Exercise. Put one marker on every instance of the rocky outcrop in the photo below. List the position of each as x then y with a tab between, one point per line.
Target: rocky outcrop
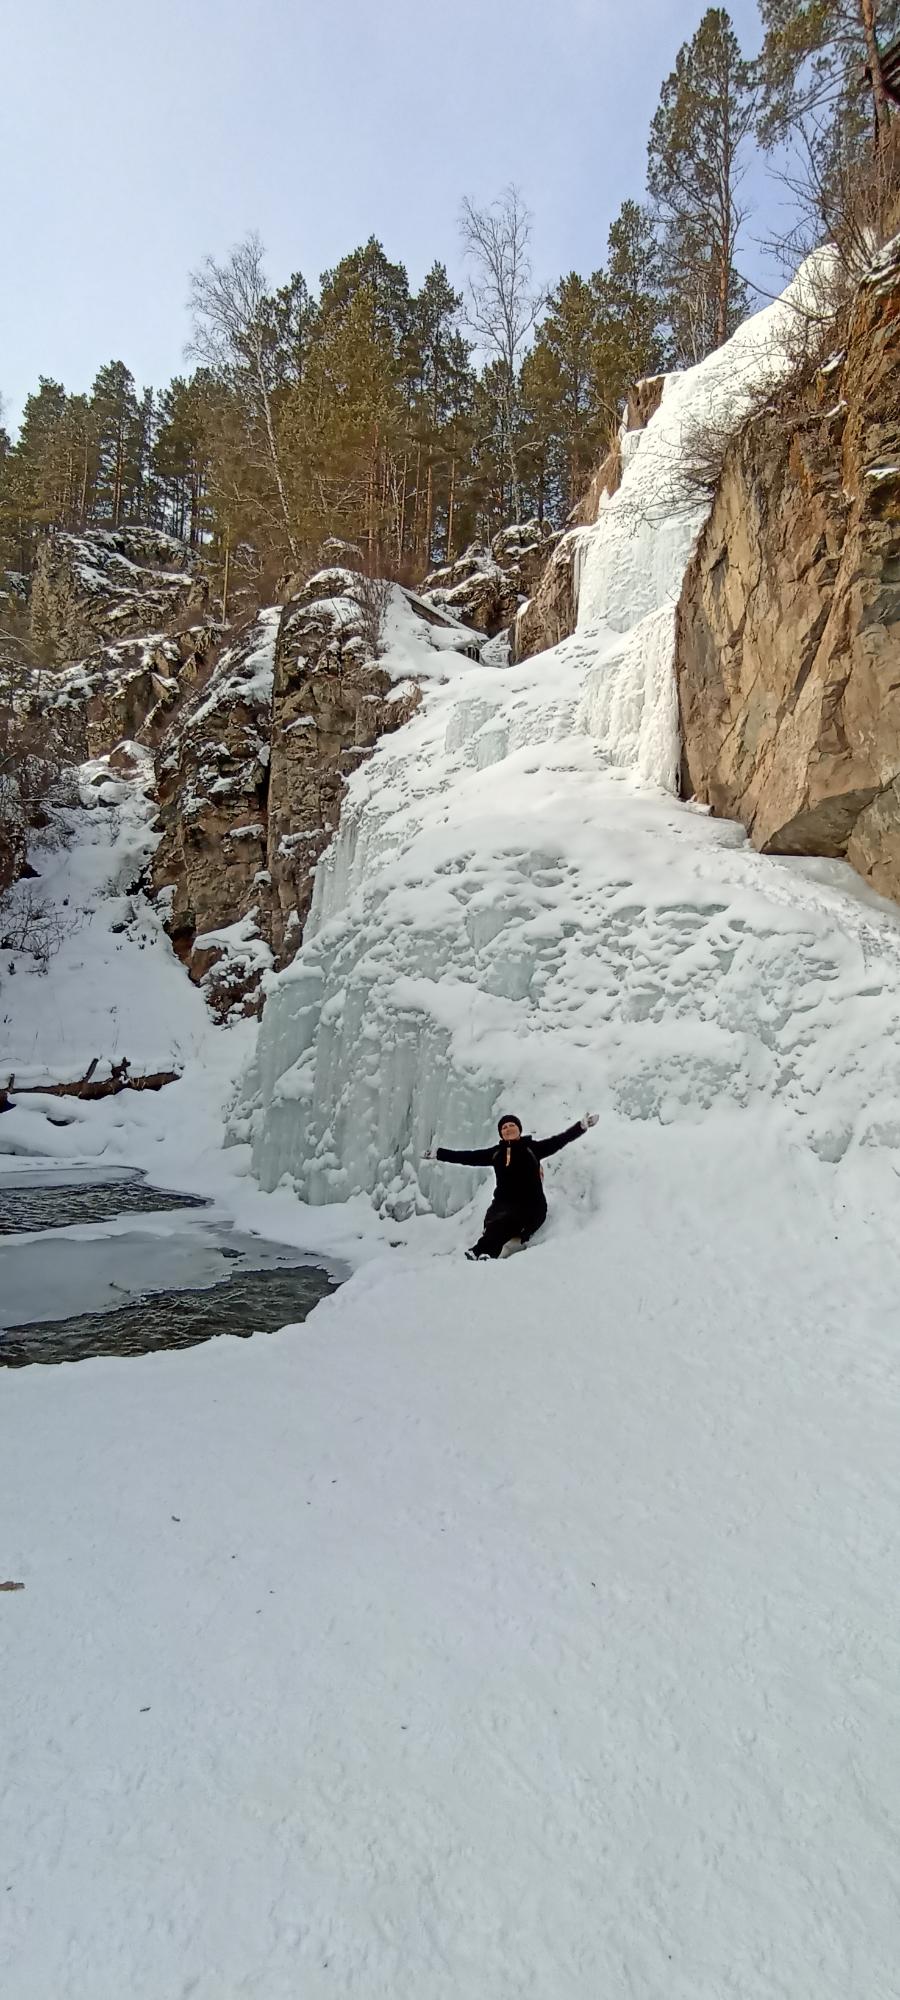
485	586
107	584
551	614
788	657
331	703
131	690
210	868
251	777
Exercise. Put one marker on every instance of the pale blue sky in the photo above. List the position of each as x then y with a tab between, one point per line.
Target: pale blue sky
137	138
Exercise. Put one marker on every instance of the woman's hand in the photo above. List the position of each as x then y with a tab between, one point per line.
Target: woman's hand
590	1118
430	1155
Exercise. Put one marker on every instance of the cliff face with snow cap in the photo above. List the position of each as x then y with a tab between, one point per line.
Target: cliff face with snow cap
517	906
789	642
108	583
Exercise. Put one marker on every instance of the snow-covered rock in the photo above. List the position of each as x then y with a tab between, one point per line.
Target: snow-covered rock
789	626
130	689
109	584
213	779
485	586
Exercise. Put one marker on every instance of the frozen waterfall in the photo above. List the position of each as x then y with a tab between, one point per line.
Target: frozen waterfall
516	906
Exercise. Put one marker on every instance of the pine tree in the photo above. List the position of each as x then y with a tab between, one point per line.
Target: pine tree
814	56
559	392
434	352
814	97
458	436
548	450
695	166
344	424
290	321
182	454
39	485
8	543
631	307
117	424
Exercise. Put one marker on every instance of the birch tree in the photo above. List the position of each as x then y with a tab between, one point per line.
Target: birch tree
231	312
503	302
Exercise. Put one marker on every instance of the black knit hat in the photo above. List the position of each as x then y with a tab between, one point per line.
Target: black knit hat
509	1118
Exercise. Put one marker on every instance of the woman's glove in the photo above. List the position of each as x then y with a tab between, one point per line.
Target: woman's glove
589	1119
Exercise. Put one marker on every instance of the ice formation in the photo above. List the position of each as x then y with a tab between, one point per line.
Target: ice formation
516	905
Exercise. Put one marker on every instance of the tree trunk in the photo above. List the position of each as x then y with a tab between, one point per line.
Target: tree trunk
429	513
401	535
416	542
722	297
273	454
450	506
879	94
514	489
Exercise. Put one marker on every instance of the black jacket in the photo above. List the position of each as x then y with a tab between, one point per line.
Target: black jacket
517	1169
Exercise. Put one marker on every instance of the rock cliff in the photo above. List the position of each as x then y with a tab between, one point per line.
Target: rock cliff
213	776
107	584
485	586
255	730
131	689
788	657
331	702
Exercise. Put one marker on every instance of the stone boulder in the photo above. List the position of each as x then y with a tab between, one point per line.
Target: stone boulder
109	584
251	775
788	656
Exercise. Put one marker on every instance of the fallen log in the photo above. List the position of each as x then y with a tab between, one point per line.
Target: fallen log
88	1088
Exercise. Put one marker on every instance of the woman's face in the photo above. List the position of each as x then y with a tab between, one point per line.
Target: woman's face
509	1131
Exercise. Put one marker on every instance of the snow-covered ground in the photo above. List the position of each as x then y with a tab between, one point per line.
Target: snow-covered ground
522	1630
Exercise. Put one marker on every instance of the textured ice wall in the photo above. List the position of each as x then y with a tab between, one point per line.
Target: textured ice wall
633	565
514	911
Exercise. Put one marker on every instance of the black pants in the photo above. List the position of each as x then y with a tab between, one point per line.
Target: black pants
501	1223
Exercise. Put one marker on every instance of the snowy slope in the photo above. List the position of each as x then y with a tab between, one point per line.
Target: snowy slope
112	988
520	1631
517	1631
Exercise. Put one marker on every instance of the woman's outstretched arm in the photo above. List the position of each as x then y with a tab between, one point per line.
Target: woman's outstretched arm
482	1158
544	1147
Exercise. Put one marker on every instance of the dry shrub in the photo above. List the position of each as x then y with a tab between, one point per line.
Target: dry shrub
841	195
27	924
372	589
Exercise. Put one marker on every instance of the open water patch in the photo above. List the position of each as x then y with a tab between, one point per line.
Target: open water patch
45	1201
248	1302
106	1264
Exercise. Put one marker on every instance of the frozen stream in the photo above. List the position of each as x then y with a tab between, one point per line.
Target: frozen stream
107	1264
